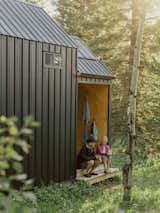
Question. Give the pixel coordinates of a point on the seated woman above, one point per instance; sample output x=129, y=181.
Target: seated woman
x=104, y=151
x=87, y=158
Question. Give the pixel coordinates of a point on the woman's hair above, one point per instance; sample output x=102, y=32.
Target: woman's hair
x=105, y=138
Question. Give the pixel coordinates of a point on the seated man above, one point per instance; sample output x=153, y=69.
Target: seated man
x=87, y=158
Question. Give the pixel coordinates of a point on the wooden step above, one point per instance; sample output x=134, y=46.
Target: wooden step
x=81, y=172
x=100, y=177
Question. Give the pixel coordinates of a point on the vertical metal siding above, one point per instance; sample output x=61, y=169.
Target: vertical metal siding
x=27, y=87
x=38, y=132
x=10, y=76
x=25, y=77
x=62, y=119
x=51, y=91
x=57, y=121
x=32, y=96
x=45, y=116
x=73, y=115
x=68, y=113
x=3, y=75
x=0, y=72
x=18, y=78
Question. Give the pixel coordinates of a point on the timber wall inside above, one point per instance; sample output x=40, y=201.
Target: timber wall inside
x=26, y=87
x=98, y=104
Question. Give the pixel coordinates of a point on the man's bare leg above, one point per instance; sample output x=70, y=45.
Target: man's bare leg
x=90, y=165
x=95, y=165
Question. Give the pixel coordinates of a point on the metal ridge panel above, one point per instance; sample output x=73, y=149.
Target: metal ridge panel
x=93, y=67
x=88, y=63
x=83, y=50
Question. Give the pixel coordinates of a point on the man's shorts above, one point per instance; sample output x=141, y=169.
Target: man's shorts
x=83, y=165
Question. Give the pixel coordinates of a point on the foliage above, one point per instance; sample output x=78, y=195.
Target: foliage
x=13, y=146
x=14, y=203
x=103, y=197
x=148, y=99
x=105, y=26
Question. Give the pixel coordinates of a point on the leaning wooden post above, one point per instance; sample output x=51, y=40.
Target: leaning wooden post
x=127, y=168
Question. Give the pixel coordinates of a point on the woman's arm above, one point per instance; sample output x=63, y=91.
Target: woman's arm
x=107, y=149
x=98, y=150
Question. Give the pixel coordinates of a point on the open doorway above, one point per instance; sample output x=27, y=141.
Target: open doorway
x=98, y=98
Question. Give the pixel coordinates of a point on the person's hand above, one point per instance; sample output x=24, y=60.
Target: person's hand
x=110, y=152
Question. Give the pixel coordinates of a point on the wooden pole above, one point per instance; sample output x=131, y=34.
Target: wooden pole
x=134, y=66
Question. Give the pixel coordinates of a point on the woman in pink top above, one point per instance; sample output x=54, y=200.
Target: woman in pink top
x=103, y=150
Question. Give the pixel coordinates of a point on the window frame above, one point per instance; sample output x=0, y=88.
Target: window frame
x=52, y=66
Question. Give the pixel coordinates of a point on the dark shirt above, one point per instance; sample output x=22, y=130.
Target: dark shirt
x=86, y=154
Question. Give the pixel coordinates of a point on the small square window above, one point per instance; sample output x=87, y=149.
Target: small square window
x=53, y=60
x=57, y=59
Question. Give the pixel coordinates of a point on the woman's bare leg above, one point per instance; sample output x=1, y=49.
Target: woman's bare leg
x=109, y=163
x=105, y=165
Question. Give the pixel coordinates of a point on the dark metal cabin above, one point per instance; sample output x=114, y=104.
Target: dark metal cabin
x=95, y=82
x=38, y=77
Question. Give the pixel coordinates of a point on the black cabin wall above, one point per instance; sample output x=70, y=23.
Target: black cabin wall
x=26, y=87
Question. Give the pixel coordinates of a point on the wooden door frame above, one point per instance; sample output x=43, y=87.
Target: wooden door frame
x=109, y=108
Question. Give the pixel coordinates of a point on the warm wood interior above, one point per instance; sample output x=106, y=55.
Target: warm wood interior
x=98, y=104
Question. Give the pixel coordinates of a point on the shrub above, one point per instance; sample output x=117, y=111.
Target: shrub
x=13, y=147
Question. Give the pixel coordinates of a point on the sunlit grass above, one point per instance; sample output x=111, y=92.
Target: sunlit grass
x=104, y=197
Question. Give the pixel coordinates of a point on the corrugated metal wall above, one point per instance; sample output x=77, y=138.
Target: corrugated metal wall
x=26, y=87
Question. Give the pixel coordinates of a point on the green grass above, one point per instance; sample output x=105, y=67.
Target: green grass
x=105, y=197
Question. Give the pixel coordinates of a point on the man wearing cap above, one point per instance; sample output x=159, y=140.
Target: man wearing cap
x=87, y=158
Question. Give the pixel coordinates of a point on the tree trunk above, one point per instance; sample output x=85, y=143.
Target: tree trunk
x=134, y=66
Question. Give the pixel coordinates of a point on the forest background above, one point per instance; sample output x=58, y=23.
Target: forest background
x=105, y=26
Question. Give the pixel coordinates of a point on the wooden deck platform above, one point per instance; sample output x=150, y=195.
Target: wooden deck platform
x=100, y=177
